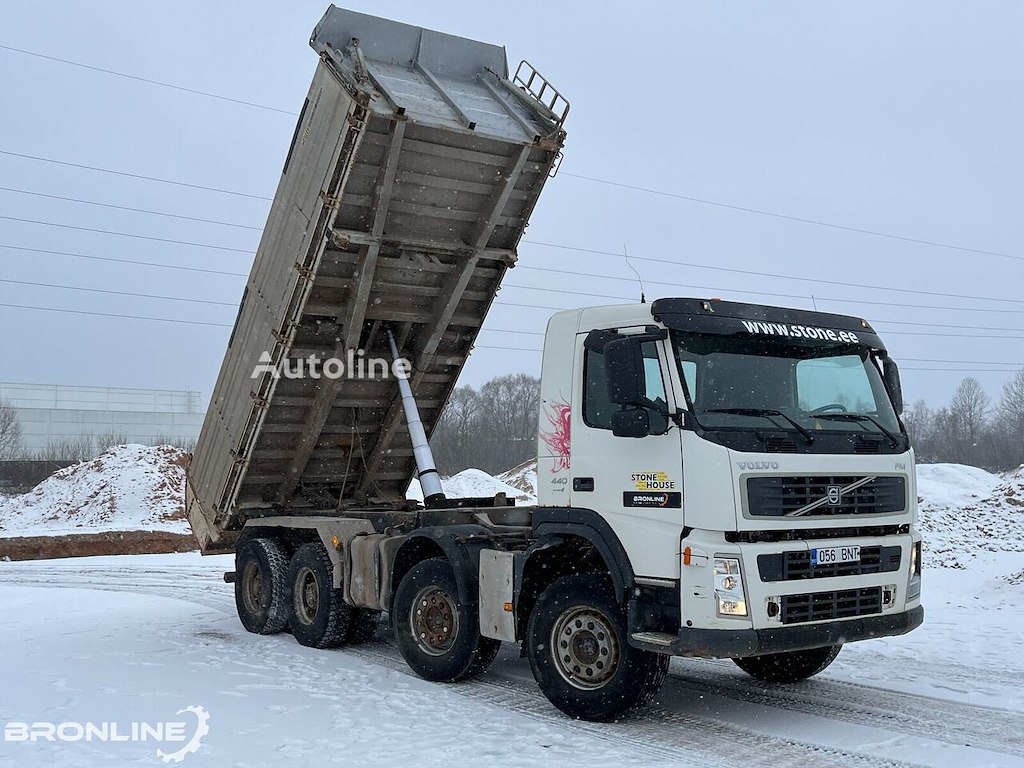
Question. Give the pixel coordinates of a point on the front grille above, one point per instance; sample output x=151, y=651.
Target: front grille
x=792, y=566
x=782, y=496
x=826, y=606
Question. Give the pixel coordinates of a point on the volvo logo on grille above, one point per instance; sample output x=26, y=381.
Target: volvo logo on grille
x=835, y=495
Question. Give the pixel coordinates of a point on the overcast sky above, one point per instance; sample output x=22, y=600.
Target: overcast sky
x=903, y=118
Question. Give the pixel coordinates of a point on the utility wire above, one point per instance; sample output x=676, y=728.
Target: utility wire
x=146, y=80
x=755, y=273
x=133, y=262
x=117, y=293
x=127, y=234
x=129, y=208
x=157, y=179
x=582, y=177
x=115, y=315
x=559, y=246
x=800, y=219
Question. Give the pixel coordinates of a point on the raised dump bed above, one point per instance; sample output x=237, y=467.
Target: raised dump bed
x=411, y=176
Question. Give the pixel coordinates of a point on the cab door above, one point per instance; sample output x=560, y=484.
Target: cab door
x=634, y=483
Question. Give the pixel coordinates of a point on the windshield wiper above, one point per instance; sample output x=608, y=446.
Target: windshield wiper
x=861, y=417
x=764, y=412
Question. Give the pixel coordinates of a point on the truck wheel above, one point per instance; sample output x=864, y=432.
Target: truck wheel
x=437, y=634
x=580, y=655
x=261, y=598
x=789, y=667
x=363, y=626
x=320, y=617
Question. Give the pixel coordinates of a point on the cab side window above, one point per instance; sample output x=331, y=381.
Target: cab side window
x=597, y=407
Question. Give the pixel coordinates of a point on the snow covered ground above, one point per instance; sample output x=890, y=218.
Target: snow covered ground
x=138, y=638
x=126, y=488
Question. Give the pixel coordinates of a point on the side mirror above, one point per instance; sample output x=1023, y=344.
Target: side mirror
x=891, y=378
x=634, y=422
x=624, y=366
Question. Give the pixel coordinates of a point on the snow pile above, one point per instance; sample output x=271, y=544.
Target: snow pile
x=965, y=510
x=125, y=488
x=523, y=477
x=470, y=483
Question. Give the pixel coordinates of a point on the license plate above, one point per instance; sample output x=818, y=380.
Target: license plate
x=833, y=555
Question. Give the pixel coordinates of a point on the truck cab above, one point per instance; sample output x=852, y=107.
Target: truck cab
x=750, y=463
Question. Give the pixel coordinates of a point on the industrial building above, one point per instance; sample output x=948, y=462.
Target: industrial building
x=51, y=414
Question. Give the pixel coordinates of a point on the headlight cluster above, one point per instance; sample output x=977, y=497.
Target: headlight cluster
x=729, y=587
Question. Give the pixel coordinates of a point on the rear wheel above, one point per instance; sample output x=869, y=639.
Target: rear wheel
x=789, y=667
x=320, y=618
x=437, y=634
x=580, y=655
x=261, y=586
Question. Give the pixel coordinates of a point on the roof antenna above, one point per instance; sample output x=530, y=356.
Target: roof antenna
x=625, y=254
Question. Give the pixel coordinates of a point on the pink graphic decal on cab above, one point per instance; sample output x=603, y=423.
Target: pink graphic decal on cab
x=558, y=415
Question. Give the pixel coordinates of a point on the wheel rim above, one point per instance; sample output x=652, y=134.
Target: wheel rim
x=584, y=647
x=307, y=595
x=434, y=619
x=252, y=587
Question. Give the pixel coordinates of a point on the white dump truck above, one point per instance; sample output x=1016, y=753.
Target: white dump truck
x=715, y=479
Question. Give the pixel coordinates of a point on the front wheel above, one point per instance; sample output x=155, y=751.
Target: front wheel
x=580, y=655
x=790, y=666
x=437, y=634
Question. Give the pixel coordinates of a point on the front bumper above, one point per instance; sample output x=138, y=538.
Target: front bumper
x=737, y=643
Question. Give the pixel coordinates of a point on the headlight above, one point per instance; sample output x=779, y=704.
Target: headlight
x=915, y=559
x=729, y=587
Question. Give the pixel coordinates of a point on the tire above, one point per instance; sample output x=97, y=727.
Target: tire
x=437, y=634
x=789, y=667
x=261, y=591
x=363, y=626
x=595, y=675
x=319, y=617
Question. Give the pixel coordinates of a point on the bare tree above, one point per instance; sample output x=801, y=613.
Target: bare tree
x=968, y=413
x=10, y=432
x=920, y=423
x=1011, y=416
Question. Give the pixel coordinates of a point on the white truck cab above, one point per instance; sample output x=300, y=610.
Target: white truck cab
x=748, y=458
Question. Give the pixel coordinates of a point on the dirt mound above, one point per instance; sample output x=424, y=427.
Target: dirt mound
x=125, y=488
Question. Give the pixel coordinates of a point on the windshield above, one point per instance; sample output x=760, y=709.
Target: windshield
x=775, y=384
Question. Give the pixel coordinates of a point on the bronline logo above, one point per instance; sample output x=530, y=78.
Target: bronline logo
x=355, y=366
x=169, y=734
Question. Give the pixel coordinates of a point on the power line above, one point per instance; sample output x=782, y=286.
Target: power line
x=157, y=179
x=146, y=80
x=582, y=177
x=800, y=219
x=731, y=270
x=579, y=249
x=946, y=325
x=133, y=262
x=129, y=208
x=116, y=293
x=782, y=295
x=115, y=315
x=754, y=273
x=480, y=346
x=127, y=234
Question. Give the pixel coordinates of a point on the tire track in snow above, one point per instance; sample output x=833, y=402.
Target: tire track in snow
x=676, y=735
x=965, y=724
